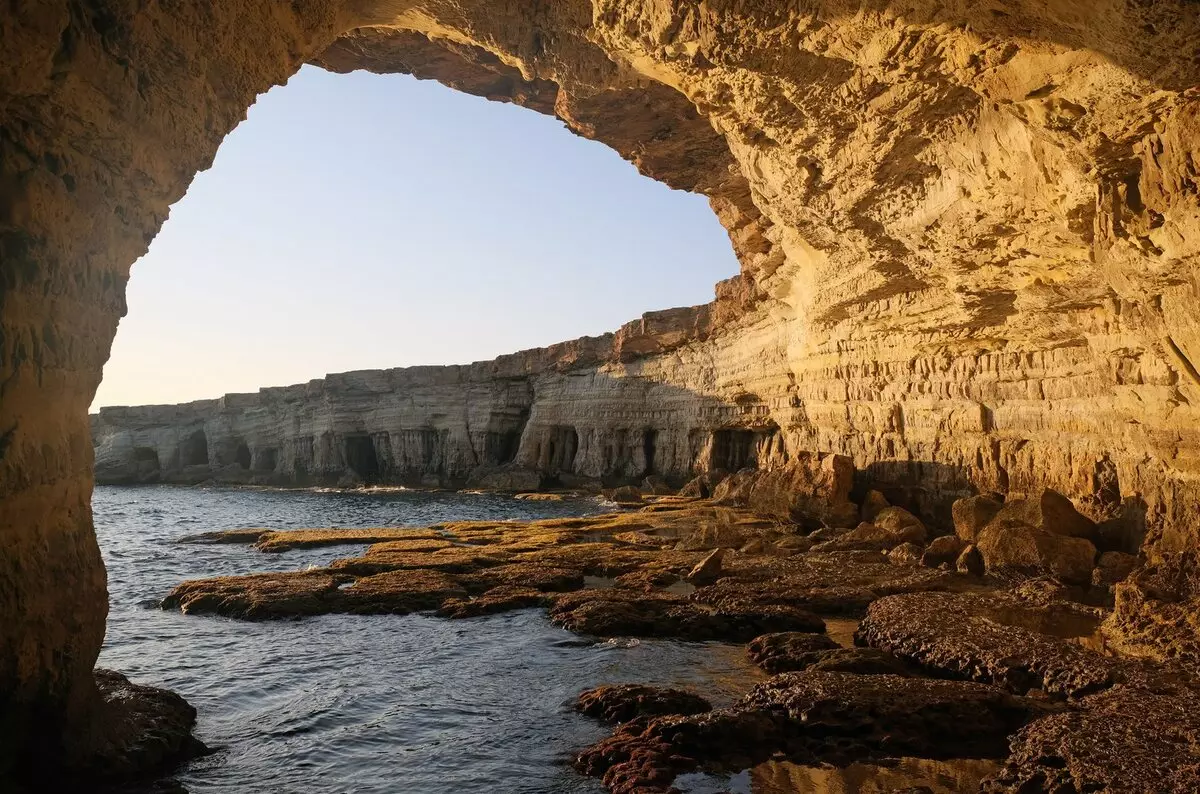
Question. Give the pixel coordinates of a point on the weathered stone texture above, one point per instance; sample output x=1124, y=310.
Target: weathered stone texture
x=968, y=238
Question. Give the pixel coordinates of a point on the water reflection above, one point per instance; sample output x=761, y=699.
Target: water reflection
x=781, y=777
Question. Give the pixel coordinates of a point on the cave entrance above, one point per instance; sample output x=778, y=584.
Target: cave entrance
x=649, y=447
x=194, y=450
x=268, y=459
x=241, y=456
x=361, y=458
x=560, y=452
x=734, y=449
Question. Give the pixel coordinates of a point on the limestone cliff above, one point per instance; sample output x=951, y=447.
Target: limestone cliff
x=566, y=414
x=968, y=231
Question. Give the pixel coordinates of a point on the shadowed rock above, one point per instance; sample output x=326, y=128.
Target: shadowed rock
x=145, y=731
x=1123, y=740
x=617, y=613
x=812, y=717
x=621, y=703
x=782, y=652
x=1010, y=547
x=991, y=639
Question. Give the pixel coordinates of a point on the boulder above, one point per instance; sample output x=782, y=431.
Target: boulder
x=872, y=504
x=943, y=551
x=970, y=561
x=702, y=485
x=901, y=523
x=623, y=702
x=627, y=495
x=868, y=537
x=812, y=489
x=972, y=514
x=656, y=486
x=509, y=478
x=1049, y=511
x=707, y=570
x=1012, y=547
x=905, y=554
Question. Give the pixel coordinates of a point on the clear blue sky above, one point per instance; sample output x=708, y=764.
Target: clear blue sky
x=362, y=221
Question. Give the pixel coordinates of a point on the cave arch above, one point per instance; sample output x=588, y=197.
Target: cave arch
x=193, y=450
x=705, y=97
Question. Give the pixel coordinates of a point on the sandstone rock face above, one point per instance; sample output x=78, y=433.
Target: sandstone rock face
x=968, y=240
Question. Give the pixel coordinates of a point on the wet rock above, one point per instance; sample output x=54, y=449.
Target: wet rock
x=621, y=703
x=1012, y=548
x=789, y=650
x=627, y=495
x=621, y=613
x=872, y=504
x=1123, y=740
x=812, y=717
x=540, y=497
x=505, y=598
x=793, y=651
x=396, y=539
x=707, y=570
x=1049, y=511
x=992, y=639
x=972, y=514
x=141, y=732
x=844, y=717
x=231, y=536
x=970, y=562
x=906, y=554
x=296, y=594
x=944, y=550
x=902, y=524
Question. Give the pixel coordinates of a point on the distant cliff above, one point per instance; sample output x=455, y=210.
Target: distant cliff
x=572, y=413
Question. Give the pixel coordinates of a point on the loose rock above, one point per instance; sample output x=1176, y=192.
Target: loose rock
x=1012, y=548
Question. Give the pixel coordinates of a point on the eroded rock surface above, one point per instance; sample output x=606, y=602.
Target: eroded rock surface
x=623, y=702
x=994, y=638
x=968, y=238
x=811, y=716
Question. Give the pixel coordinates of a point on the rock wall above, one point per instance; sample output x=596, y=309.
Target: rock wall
x=968, y=231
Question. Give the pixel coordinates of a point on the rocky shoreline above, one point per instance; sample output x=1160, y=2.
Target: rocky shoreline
x=997, y=641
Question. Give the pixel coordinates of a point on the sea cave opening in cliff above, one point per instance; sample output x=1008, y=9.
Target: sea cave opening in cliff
x=361, y=457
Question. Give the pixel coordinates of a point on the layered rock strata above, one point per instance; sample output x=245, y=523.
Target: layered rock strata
x=968, y=236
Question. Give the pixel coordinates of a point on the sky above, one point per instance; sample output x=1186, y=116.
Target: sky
x=363, y=221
